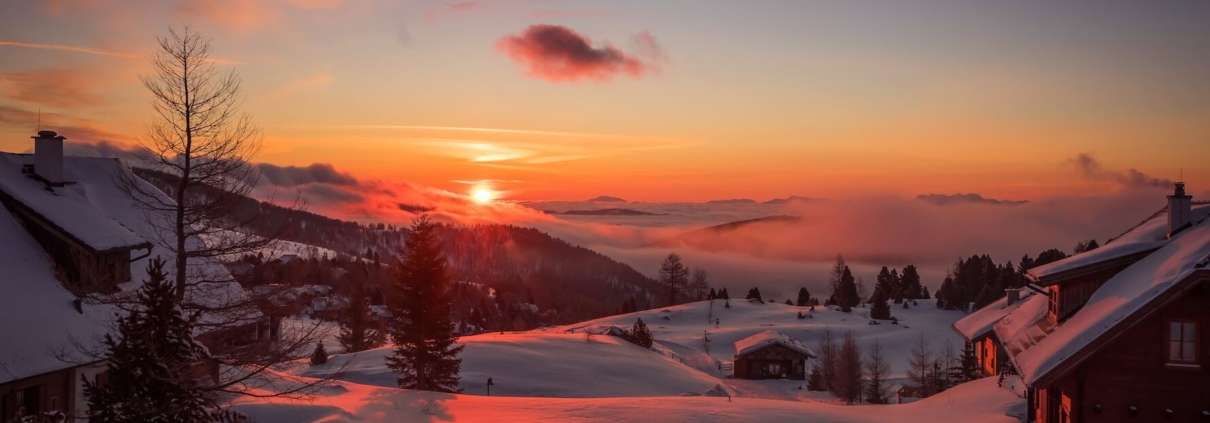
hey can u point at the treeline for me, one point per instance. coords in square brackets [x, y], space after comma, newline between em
[976, 281]
[846, 372]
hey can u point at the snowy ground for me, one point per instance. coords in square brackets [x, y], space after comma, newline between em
[565, 374]
[979, 401]
[680, 329]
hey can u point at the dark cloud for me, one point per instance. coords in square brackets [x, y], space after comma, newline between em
[325, 194]
[290, 176]
[1091, 168]
[557, 53]
[968, 198]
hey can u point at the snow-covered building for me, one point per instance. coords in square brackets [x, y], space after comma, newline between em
[71, 239]
[979, 329]
[1116, 333]
[771, 355]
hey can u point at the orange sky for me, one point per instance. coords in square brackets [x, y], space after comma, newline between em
[665, 101]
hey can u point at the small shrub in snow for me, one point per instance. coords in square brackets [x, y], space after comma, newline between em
[319, 356]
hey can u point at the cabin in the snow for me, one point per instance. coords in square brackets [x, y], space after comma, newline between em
[771, 355]
[1115, 334]
[70, 236]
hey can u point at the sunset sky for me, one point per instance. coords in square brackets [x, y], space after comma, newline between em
[659, 100]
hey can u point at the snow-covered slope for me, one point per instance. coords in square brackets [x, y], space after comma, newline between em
[979, 401]
[575, 373]
[543, 364]
[680, 328]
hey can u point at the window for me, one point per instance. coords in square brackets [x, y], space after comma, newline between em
[1182, 342]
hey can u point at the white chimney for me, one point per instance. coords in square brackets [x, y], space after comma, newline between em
[48, 156]
[1179, 207]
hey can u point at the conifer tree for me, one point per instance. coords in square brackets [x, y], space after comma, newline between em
[879, 309]
[876, 372]
[425, 356]
[910, 286]
[754, 294]
[641, 335]
[319, 356]
[815, 382]
[846, 295]
[148, 362]
[970, 364]
[357, 329]
[804, 297]
[724, 295]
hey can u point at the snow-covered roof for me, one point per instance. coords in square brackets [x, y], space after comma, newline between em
[1146, 236]
[982, 320]
[69, 207]
[1120, 297]
[38, 311]
[770, 337]
[41, 329]
[1025, 325]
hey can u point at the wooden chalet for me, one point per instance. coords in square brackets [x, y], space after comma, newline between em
[1116, 334]
[70, 235]
[771, 355]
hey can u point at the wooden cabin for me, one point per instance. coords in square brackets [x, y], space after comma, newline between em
[1115, 334]
[771, 355]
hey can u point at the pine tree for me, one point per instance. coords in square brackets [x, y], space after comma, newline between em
[724, 295]
[673, 275]
[754, 294]
[815, 382]
[848, 370]
[425, 356]
[641, 335]
[910, 286]
[846, 295]
[788, 302]
[319, 356]
[357, 329]
[970, 364]
[920, 366]
[804, 297]
[876, 372]
[148, 362]
[879, 309]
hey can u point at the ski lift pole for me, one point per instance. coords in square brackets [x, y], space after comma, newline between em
[489, 386]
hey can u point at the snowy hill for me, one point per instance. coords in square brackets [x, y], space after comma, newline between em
[576, 373]
[680, 328]
[979, 401]
[545, 365]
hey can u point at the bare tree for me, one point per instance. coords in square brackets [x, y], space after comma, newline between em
[698, 285]
[876, 370]
[201, 145]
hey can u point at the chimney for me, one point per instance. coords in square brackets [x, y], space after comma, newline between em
[1012, 295]
[1179, 208]
[48, 156]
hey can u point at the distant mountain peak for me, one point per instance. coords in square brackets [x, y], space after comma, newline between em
[967, 198]
[733, 201]
[607, 199]
[790, 199]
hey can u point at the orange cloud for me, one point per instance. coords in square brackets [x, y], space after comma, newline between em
[557, 53]
[60, 87]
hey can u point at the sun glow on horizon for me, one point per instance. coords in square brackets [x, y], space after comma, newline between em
[482, 194]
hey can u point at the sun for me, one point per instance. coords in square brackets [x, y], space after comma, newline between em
[482, 194]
